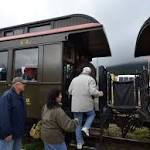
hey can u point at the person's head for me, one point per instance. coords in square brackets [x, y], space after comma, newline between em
[54, 98]
[19, 84]
[86, 70]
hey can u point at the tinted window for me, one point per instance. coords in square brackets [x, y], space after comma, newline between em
[26, 63]
[8, 33]
[39, 28]
[121, 79]
[126, 79]
[3, 66]
[131, 79]
[18, 31]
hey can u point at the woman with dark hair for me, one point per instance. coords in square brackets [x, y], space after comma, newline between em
[55, 122]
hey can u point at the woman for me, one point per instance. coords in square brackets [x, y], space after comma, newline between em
[55, 122]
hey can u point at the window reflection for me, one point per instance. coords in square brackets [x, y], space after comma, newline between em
[3, 66]
[26, 63]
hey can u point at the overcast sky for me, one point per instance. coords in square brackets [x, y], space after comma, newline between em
[122, 19]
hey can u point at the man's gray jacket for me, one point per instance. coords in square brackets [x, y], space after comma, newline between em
[82, 89]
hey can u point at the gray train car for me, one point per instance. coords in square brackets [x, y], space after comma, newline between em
[142, 48]
[129, 68]
[46, 52]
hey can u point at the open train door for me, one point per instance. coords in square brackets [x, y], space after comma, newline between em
[105, 86]
[83, 42]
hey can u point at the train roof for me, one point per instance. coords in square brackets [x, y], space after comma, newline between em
[142, 47]
[63, 21]
[80, 26]
[52, 31]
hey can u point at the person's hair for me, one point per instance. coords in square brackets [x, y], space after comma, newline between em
[86, 70]
[51, 99]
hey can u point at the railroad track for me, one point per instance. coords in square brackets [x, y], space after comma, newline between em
[116, 143]
[95, 142]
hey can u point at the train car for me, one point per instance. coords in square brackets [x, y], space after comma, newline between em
[46, 52]
[128, 100]
[129, 68]
[142, 48]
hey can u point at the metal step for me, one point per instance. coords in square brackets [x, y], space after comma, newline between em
[73, 147]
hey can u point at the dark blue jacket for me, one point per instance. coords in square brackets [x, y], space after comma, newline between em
[12, 114]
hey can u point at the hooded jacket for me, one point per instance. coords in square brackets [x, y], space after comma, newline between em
[54, 123]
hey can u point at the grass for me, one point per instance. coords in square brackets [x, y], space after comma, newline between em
[138, 134]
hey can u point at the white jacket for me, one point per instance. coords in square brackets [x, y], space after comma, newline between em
[82, 88]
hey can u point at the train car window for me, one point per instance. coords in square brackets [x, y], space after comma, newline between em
[69, 74]
[18, 31]
[26, 64]
[8, 33]
[69, 53]
[68, 70]
[3, 66]
[39, 28]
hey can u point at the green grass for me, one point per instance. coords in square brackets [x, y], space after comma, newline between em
[138, 134]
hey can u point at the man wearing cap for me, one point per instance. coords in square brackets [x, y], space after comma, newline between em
[83, 89]
[12, 116]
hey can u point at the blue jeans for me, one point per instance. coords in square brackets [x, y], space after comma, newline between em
[90, 118]
[13, 145]
[55, 146]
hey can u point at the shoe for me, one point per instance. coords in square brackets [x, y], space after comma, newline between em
[79, 146]
[85, 131]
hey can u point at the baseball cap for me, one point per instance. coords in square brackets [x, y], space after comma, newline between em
[19, 79]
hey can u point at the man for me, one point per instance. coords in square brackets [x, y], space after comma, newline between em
[12, 116]
[83, 89]
[84, 62]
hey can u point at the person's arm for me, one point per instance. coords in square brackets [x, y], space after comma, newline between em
[64, 122]
[5, 117]
[70, 88]
[93, 90]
